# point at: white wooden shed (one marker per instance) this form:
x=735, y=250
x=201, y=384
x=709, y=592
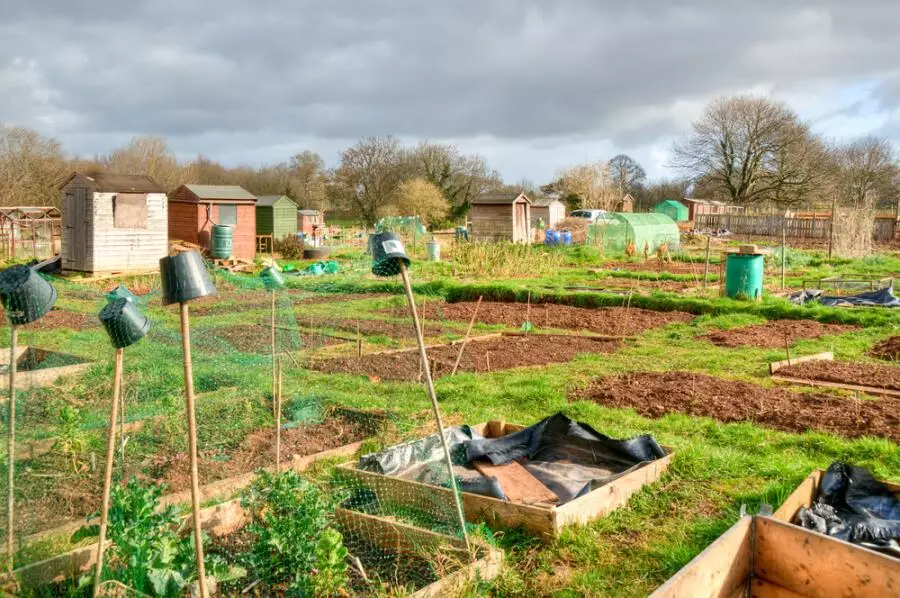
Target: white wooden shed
x=550, y=210
x=113, y=223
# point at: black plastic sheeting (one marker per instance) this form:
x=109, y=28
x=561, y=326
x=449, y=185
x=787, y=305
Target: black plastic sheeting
x=855, y=507
x=880, y=298
x=569, y=457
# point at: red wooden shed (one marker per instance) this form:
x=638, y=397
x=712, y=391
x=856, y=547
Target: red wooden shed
x=193, y=209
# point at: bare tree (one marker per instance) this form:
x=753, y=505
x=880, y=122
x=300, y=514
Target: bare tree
x=307, y=179
x=369, y=176
x=587, y=186
x=661, y=189
x=627, y=175
x=751, y=150
x=865, y=171
x=148, y=155
x=460, y=178
x=31, y=167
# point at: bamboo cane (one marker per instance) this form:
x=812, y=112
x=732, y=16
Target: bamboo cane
x=192, y=446
x=429, y=384
x=783, y=252
x=274, y=374
x=107, y=477
x=278, y=423
x=706, y=265
x=11, y=451
x=462, y=346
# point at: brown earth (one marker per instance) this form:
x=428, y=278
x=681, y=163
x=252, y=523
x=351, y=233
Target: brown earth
x=251, y=338
x=656, y=394
x=610, y=321
x=888, y=349
x=863, y=374
x=480, y=356
x=62, y=318
x=772, y=334
x=394, y=330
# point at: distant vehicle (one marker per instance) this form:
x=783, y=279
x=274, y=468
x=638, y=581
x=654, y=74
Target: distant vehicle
x=592, y=216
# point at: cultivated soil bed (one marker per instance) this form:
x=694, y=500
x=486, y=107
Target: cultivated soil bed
x=61, y=318
x=863, y=374
x=480, y=356
x=395, y=330
x=250, y=338
x=655, y=394
x=888, y=349
x=609, y=321
x=773, y=334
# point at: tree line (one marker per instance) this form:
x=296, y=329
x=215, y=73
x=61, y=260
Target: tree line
x=743, y=150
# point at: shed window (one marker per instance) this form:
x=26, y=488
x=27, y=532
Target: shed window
x=227, y=214
x=130, y=210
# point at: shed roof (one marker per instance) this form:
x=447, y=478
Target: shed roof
x=107, y=182
x=221, y=192
x=544, y=202
x=271, y=200
x=499, y=198
x=308, y=212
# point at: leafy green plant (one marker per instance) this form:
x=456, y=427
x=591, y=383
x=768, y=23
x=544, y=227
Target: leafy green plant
x=70, y=439
x=291, y=521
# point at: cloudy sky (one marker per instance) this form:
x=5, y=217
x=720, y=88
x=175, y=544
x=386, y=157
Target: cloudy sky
x=533, y=85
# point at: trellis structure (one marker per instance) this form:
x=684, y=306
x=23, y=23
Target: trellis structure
x=29, y=231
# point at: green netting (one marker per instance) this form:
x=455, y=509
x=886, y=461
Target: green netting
x=650, y=229
x=675, y=210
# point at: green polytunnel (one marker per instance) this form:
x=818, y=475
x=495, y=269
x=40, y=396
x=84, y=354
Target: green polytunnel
x=675, y=210
x=652, y=229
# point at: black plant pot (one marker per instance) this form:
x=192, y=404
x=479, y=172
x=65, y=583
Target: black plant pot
x=124, y=322
x=272, y=278
x=184, y=277
x=25, y=295
x=387, y=253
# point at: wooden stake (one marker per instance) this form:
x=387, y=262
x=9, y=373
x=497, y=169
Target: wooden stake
x=429, y=384
x=528, y=312
x=358, y=340
x=121, y=422
x=706, y=265
x=462, y=346
x=110, y=457
x=192, y=446
x=787, y=348
x=278, y=423
x=11, y=450
x=274, y=374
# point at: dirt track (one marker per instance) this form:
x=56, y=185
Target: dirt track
x=655, y=394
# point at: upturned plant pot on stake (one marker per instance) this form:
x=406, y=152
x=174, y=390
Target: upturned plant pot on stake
x=389, y=259
x=184, y=277
x=125, y=325
x=26, y=297
x=273, y=281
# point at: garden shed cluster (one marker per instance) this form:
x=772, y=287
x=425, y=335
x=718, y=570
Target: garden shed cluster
x=501, y=217
x=194, y=209
x=112, y=223
x=276, y=215
x=650, y=229
x=675, y=210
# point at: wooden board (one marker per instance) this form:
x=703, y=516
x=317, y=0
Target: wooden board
x=720, y=571
x=818, y=566
x=873, y=390
x=760, y=588
x=777, y=365
x=517, y=483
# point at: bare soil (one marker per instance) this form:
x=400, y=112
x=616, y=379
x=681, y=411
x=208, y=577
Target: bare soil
x=479, y=356
x=655, y=394
x=863, y=374
x=609, y=321
x=61, y=318
x=774, y=333
x=394, y=330
x=251, y=338
x=888, y=349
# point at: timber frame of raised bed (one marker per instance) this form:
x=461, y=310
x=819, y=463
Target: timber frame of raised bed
x=31, y=378
x=806, y=493
x=827, y=356
x=761, y=557
x=543, y=521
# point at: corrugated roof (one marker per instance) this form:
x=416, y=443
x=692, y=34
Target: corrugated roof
x=269, y=200
x=221, y=192
x=499, y=198
x=106, y=182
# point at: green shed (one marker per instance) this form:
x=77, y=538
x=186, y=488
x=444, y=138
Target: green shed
x=276, y=215
x=675, y=210
x=624, y=227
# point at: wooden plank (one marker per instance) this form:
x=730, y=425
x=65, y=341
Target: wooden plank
x=495, y=428
x=866, y=389
x=818, y=566
x=803, y=496
x=760, y=588
x=608, y=498
x=517, y=483
x=720, y=571
x=777, y=365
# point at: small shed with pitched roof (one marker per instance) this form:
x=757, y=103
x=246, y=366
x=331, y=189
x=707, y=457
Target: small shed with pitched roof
x=194, y=209
x=501, y=217
x=276, y=215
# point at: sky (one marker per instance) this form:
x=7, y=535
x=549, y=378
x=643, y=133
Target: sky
x=531, y=85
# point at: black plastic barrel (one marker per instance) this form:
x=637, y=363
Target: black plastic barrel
x=387, y=253
x=124, y=322
x=25, y=295
x=184, y=277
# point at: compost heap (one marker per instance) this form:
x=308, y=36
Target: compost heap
x=567, y=457
x=855, y=507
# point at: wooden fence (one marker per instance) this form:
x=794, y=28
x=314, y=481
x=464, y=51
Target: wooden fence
x=796, y=228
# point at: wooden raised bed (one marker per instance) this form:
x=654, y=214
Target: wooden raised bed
x=806, y=493
x=827, y=356
x=27, y=377
x=761, y=557
x=545, y=521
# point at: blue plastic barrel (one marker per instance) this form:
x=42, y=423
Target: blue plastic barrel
x=551, y=238
x=566, y=237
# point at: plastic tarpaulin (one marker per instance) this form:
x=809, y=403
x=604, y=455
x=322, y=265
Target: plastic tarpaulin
x=569, y=457
x=855, y=507
x=880, y=298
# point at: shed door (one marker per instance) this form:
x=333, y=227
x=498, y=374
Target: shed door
x=520, y=223
x=76, y=229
